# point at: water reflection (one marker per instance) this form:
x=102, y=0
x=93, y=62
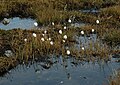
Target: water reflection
x=17, y=22
x=60, y=71
x=90, y=11
x=78, y=24
x=86, y=41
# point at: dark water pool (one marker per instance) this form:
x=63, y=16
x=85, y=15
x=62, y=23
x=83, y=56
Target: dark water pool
x=17, y=22
x=90, y=11
x=61, y=71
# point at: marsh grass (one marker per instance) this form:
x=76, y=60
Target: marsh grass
x=48, y=10
x=113, y=37
x=115, y=80
x=34, y=48
x=25, y=50
x=7, y=63
x=59, y=11
x=111, y=16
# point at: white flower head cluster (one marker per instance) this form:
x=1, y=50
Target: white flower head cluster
x=69, y=20
x=97, y=21
x=93, y=30
x=51, y=42
x=53, y=23
x=42, y=39
x=34, y=35
x=64, y=41
x=35, y=24
x=60, y=31
x=65, y=27
x=25, y=40
x=45, y=31
x=68, y=52
x=49, y=39
x=83, y=48
x=82, y=32
x=65, y=36
x=43, y=34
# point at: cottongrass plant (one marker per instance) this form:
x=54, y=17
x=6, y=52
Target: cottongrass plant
x=25, y=44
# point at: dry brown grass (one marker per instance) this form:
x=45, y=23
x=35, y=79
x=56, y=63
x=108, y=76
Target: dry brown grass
x=116, y=79
x=7, y=63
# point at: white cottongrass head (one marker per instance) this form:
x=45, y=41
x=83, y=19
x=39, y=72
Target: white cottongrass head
x=82, y=32
x=35, y=24
x=68, y=52
x=65, y=27
x=49, y=38
x=83, y=48
x=97, y=21
x=65, y=36
x=45, y=31
x=60, y=31
x=63, y=41
x=53, y=23
x=34, y=35
x=69, y=20
x=51, y=42
x=42, y=39
x=93, y=30
x=25, y=40
x=43, y=34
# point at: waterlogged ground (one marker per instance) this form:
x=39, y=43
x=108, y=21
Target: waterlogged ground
x=90, y=55
x=61, y=71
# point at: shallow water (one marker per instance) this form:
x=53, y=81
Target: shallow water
x=85, y=41
x=61, y=71
x=58, y=70
x=90, y=11
x=17, y=22
x=78, y=24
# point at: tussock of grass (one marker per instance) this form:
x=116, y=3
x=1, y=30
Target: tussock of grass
x=23, y=50
x=7, y=63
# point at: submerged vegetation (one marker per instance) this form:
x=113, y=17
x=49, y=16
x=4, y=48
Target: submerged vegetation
x=57, y=36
